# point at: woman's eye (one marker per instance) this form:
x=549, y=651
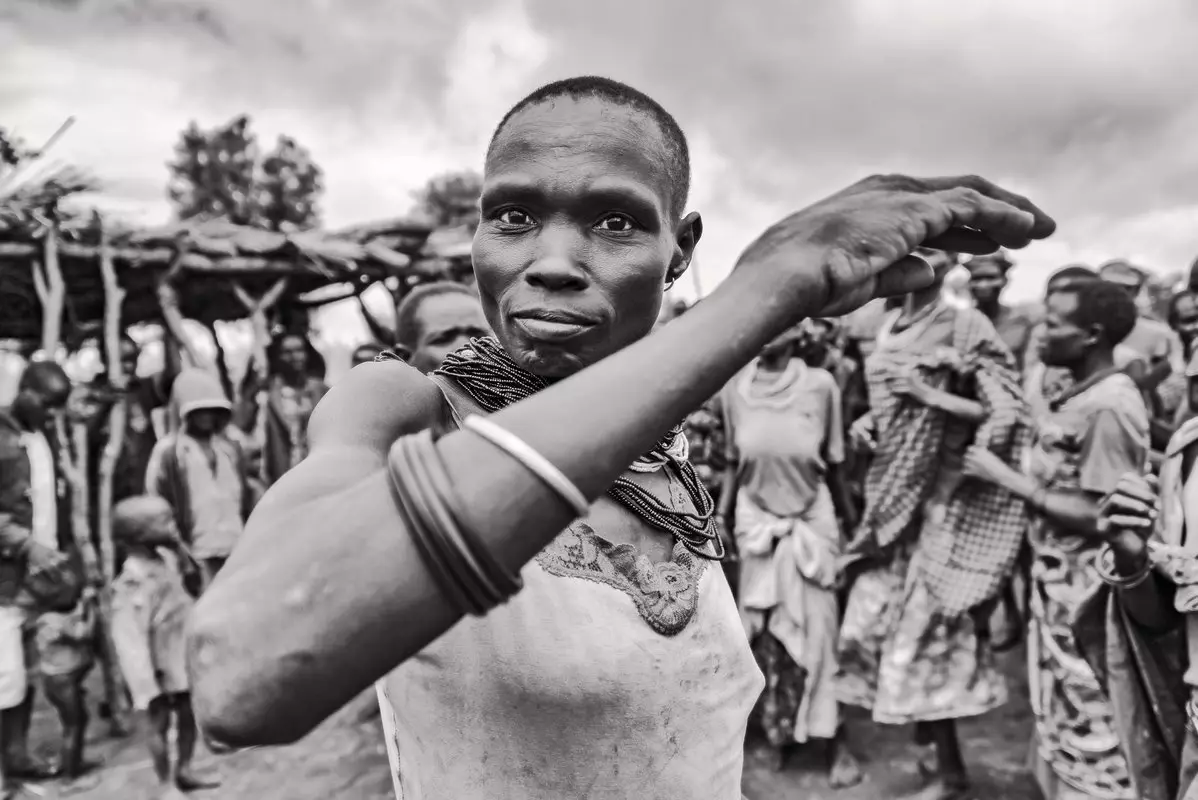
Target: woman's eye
x=514, y=217
x=616, y=223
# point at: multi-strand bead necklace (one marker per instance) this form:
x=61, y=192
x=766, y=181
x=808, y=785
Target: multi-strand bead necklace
x=488, y=374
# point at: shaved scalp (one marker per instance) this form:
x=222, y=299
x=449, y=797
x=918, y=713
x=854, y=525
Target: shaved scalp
x=407, y=316
x=678, y=163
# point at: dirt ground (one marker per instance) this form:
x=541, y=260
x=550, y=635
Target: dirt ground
x=346, y=758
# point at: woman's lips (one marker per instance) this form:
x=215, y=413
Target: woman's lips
x=546, y=330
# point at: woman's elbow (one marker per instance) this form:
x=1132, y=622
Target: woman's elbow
x=235, y=697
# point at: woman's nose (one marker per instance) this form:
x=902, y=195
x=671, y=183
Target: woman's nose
x=558, y=266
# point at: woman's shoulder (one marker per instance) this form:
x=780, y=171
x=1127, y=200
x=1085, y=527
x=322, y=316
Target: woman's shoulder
x=374, y=404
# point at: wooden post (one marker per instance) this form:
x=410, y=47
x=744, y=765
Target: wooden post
x=168, y=302
x=51, y=292
x=261, y=341
x=114, y=295
x=222, y=362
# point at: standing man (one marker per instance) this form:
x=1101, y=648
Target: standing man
x=1151, y=338
x=202, y=473
x=434, y=320
x=31, y=514
x=987, y=280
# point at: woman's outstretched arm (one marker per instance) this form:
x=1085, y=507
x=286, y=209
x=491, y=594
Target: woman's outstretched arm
x=327, y=592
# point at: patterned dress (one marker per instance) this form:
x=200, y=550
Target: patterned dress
x=900, y=655
x=1087, y=444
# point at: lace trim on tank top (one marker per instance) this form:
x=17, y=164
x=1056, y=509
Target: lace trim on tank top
x=666, y=595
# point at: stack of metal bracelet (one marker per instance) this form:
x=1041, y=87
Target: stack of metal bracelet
x=464, y=567
x=1110, y=575
x=461, y=563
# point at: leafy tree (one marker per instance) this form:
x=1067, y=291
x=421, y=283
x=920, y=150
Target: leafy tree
x=217, y=174
x=288, y=183
x=451, y=198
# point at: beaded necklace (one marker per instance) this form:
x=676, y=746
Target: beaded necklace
x=485, y=371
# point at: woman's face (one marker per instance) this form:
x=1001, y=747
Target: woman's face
x=1185, y=319
x=986, y=281
x=1064, y=343
x=577, y=236
x=293, y=354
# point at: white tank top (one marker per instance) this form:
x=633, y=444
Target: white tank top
x=568, y=691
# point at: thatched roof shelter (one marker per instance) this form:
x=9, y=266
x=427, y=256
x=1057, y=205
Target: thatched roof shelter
x=208, y=263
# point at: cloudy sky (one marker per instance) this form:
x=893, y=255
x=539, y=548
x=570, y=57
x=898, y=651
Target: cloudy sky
x=1089, y=106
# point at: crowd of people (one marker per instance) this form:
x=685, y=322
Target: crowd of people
x=891, y=502
x=182, y=493
x=969, y=474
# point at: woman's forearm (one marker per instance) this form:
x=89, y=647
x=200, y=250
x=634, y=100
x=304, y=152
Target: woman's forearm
x=344, y=596
x=960, y=407
x=1076, y=511
x=1145, y=603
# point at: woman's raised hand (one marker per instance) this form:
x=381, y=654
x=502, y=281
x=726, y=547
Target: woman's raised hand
x=1132, y=506
x=862, y=238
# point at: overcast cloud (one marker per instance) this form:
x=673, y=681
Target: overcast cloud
x=1090, y=106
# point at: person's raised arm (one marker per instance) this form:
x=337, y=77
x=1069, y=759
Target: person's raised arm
x=326, y=591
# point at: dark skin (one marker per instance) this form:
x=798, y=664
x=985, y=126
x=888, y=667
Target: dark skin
x=1185, y=320
x=364, y=354
x=42, y=394
x=1087, y=355
x=987, y=280
x=949, y=767
x=293, y=360
x=560, y=183
x=444, y=323
x=157, y=530
x=1127, y=518
x=845, y=770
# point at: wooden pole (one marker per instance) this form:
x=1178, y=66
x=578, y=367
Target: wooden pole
x=51, y=292
x=257, y=310
x=222, y=362
x=114, y=295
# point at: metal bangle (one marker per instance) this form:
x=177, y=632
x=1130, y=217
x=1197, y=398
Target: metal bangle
x=425, y=540
x=1106, y=571
x=506, y=582
x=533, y=461
x=480, y=593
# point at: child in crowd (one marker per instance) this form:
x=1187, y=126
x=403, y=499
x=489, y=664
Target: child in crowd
x=202, y=472
x=66, y=655
x=149, y=609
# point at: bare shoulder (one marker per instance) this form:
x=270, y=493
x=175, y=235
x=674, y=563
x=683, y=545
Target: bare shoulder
x=373, y=405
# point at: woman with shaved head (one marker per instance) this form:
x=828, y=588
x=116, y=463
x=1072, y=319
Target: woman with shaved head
x=518, y=541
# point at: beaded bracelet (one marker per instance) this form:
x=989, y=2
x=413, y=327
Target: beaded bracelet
x=533, y=461
x=1106, y=571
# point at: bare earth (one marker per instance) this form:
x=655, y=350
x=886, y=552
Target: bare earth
x=346, y=758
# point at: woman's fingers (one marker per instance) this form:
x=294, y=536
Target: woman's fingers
x=1128, y=522
x=1042, y=225
x=1007, y=224
x=908, y=274
x=1137, y=488
x=963, y=240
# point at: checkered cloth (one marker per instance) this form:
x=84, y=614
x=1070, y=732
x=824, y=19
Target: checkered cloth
x=964, y=550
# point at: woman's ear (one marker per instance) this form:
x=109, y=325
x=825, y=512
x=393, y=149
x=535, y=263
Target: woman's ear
x=686, y=238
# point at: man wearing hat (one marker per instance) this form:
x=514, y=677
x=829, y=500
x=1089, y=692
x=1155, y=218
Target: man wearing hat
x=202, y=472
x=987, y=280
x=1151, y=338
